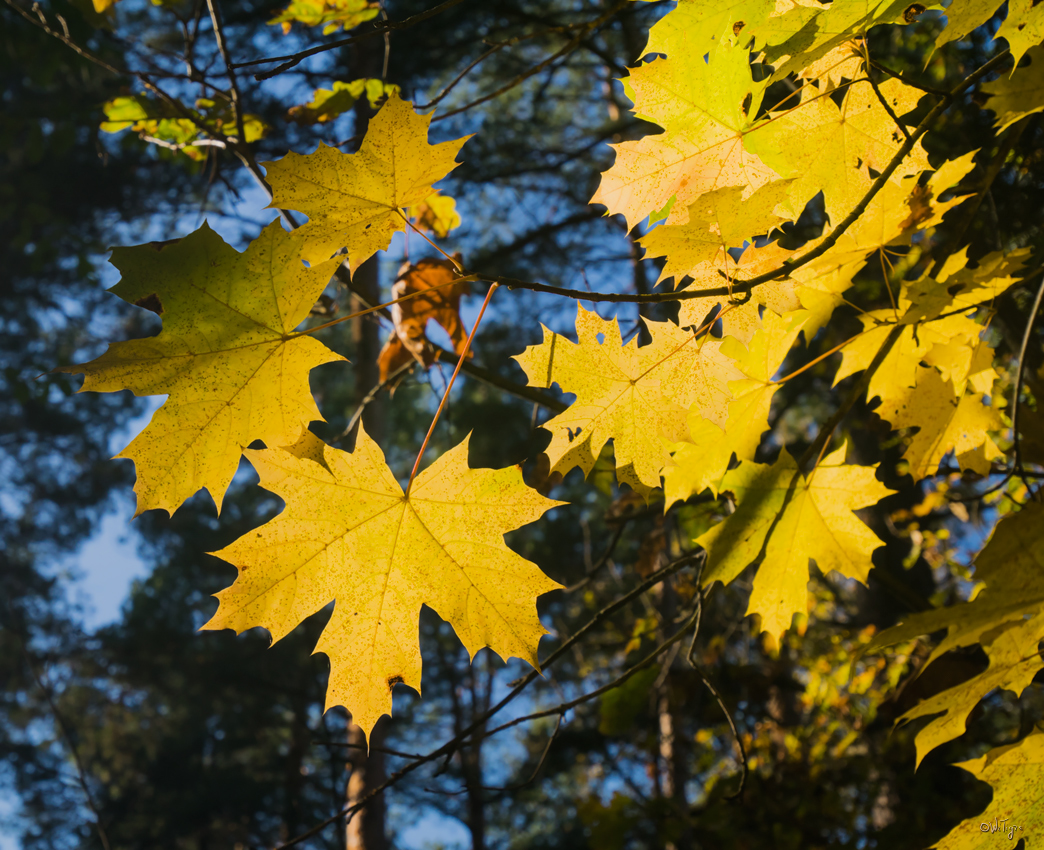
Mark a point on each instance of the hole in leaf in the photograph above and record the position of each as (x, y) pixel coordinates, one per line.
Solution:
(151, 302)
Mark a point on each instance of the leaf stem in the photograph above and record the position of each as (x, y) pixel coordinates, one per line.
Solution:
(823, 356)
(449, 387)
(424, 236)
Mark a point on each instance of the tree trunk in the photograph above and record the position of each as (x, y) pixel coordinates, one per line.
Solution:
(673, 755)
(365, 831)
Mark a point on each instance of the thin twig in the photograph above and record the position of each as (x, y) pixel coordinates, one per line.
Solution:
(569, 705)
(451, 746)
(1020, 375)
(690, 656)
(569, 47)
(294, 58)
(519, 785)
(449, 388)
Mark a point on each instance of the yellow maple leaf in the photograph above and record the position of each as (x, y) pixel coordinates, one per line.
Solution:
(349, 535)
(1023, 27)
(1022, 94)
(1006, 617)
(831, 149)
(800, 32)
(956, 287)
(437, 213)
(963, 17)
(705, 108)
(226, 357)
(357, 200)
(638, 397)
(717, 221)
(1013, 664)
(695, 26)
(782, 520)
(946, 423)
(1017, 808)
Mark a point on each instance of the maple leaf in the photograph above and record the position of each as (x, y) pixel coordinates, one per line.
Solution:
(800, 33)
(349, 535)
(1022, 94)
(226, 356)
(695, 27)
(1023, 27)
(782, 520)
(1013, 664)
(1006, 617)
(1017, 808)
(437, 213)
(946, 423)
(962, 18)
(356, 200)
(831, 149)
(717, 221)
(328, 104)
(638, 397)
(956, 287)
(441, 304)
(704, 107)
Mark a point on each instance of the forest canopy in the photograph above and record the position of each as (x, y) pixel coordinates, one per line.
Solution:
(601, 424)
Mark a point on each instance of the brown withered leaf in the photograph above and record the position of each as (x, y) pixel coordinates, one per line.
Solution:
(441, 303)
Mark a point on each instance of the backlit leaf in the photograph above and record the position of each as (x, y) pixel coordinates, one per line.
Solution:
(226, 357)
(348, 535)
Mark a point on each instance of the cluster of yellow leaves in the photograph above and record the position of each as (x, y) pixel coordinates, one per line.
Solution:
(328, 104)
(720, 176)
(155, 121)
(332, 15)
(235, 369)
(685, 412)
